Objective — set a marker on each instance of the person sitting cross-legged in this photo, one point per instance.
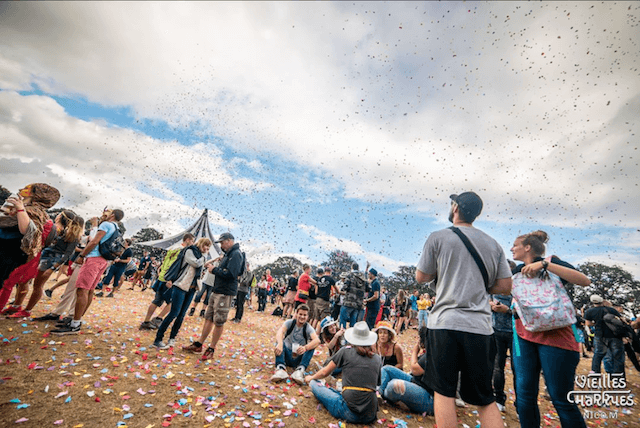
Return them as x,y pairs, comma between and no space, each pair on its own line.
357,403
295,343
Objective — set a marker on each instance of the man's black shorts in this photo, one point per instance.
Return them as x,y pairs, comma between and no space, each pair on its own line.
450,352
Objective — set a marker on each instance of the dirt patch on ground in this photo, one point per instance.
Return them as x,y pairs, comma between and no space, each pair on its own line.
109,375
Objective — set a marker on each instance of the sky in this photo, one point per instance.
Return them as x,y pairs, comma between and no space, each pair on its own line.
306,127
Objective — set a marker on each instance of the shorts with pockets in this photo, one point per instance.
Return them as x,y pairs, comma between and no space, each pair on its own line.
218,308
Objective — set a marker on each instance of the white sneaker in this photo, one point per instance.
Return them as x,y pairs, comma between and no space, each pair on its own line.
171,343
501,407
279,375
459,402
298,376
339,386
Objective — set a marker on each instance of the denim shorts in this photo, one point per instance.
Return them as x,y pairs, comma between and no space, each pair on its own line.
49,259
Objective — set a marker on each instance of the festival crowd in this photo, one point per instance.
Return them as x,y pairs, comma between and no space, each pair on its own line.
481,310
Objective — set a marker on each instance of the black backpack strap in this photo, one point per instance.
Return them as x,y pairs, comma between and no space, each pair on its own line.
474,254
304,331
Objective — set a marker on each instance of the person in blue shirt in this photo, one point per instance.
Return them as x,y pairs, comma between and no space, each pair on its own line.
373,300
92,267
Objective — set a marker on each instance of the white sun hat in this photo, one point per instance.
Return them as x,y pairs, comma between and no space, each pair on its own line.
360,335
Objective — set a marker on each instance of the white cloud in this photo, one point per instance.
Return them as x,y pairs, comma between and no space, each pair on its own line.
328,243
532,105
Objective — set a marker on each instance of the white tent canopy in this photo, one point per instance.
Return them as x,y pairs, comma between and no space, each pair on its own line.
200,229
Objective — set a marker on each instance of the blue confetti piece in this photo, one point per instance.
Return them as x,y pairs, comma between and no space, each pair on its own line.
182,401
128,416
26,332
68,399
15,400
22,406
25,325
148,405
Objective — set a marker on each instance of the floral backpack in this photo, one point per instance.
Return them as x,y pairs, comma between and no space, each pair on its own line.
542,302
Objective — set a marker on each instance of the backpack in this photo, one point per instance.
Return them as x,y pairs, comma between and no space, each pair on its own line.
244,264
616,325
277,312
542,302
354,291
174,270
113,247
304,331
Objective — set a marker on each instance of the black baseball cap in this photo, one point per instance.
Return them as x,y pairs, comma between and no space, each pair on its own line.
225,236
469,203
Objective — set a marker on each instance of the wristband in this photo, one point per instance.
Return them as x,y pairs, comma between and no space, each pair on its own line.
19,211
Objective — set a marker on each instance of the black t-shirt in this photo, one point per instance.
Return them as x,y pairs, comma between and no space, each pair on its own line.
312,289
596,314
293,284
125,255
324,287
144,263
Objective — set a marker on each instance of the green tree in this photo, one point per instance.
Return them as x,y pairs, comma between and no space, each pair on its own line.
405,278
281,268
339,261
144,235
612,283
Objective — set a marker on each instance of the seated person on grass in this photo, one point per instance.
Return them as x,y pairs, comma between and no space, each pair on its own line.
407,388
295,343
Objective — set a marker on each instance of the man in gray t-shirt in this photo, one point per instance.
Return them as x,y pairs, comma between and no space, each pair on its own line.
295,344
460,329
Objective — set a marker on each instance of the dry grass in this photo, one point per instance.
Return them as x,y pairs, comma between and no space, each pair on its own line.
110,371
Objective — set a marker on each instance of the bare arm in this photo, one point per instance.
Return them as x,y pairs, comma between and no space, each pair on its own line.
399,356
416,369
502,286
322,373
570,275
279,340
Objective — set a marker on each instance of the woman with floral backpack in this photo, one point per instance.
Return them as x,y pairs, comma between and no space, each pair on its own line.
555,351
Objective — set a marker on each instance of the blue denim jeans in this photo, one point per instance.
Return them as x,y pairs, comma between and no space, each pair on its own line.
180,301
416,398
287,359
372,315
559,369
333,401
115,272
349,315
423,318
615,349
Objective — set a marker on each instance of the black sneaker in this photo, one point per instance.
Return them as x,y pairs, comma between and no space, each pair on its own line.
110,294
66,330
48,293
100,294
202,312
48,317
146,325
64,322
191,311
157,321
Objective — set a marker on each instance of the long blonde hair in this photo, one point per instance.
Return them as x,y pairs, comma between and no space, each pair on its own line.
73,226
202,242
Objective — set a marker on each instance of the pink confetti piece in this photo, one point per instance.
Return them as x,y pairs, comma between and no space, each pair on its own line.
59,422
21,420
